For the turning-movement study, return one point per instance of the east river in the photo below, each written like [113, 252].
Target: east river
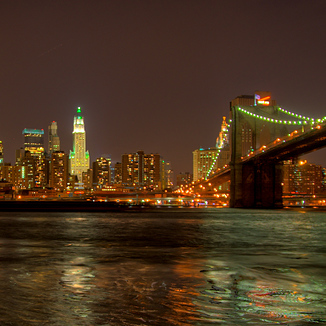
[163, 267]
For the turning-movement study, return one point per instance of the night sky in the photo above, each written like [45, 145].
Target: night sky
[156, 76]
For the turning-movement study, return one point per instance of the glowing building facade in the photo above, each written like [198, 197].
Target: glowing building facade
[34, 142]
[203, 159]
[223, 137]
[303, 178]
[59, 171]
[79, 156]
[140, 169]
[102, 172]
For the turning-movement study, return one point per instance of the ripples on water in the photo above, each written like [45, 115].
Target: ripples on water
[163, 267]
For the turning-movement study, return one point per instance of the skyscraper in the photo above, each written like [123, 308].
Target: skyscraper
[140, 169]
[102, 172]
[53, 140]
[223, 137]
[79, 157]
[59, 170]
[34, 141]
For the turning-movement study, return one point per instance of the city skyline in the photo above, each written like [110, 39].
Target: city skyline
[154, 76]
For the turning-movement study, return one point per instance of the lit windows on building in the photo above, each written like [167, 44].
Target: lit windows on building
[141, 170]
[34, 141]
[59, 171]
[302, 178]
[203, 159]
[102, 172]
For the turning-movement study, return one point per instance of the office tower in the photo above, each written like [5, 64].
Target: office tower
[53, 138]
[27, 169]
[152, 171]
[141, 170]
[59, 171]
[101, 172]
[79, 157]
[42, 171]
[203, 160]
[1, 154]
[132, 166]
[34, 141]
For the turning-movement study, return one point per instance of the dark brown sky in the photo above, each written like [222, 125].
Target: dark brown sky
[154, 75]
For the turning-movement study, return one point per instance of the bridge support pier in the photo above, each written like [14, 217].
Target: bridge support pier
[256, 185]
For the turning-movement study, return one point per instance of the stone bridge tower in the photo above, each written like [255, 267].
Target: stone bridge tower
[256, 184]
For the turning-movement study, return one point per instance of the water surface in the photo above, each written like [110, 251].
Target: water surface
[163, 267]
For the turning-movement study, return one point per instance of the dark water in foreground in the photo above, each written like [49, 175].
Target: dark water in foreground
[163, 267]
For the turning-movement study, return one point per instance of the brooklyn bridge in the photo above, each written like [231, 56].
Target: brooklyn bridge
[260, 137]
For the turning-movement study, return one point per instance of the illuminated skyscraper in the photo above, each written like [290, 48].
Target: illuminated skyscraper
[79, 157]
[223, 137]
[54, 140]
[34, 141]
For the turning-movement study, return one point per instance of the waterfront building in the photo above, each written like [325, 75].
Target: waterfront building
[53, 138]
[101, 172]
[152, 171]
[34, 141]
[303, 178]
[79, 156]
[1, 154]
[59, 171]
[132, 169]
[141, 170]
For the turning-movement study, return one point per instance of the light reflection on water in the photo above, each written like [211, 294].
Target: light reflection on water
[168, 267]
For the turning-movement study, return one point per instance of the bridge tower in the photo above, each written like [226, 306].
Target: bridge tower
[256, 183]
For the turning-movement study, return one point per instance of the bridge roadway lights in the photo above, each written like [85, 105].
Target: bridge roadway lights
[256, 185]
